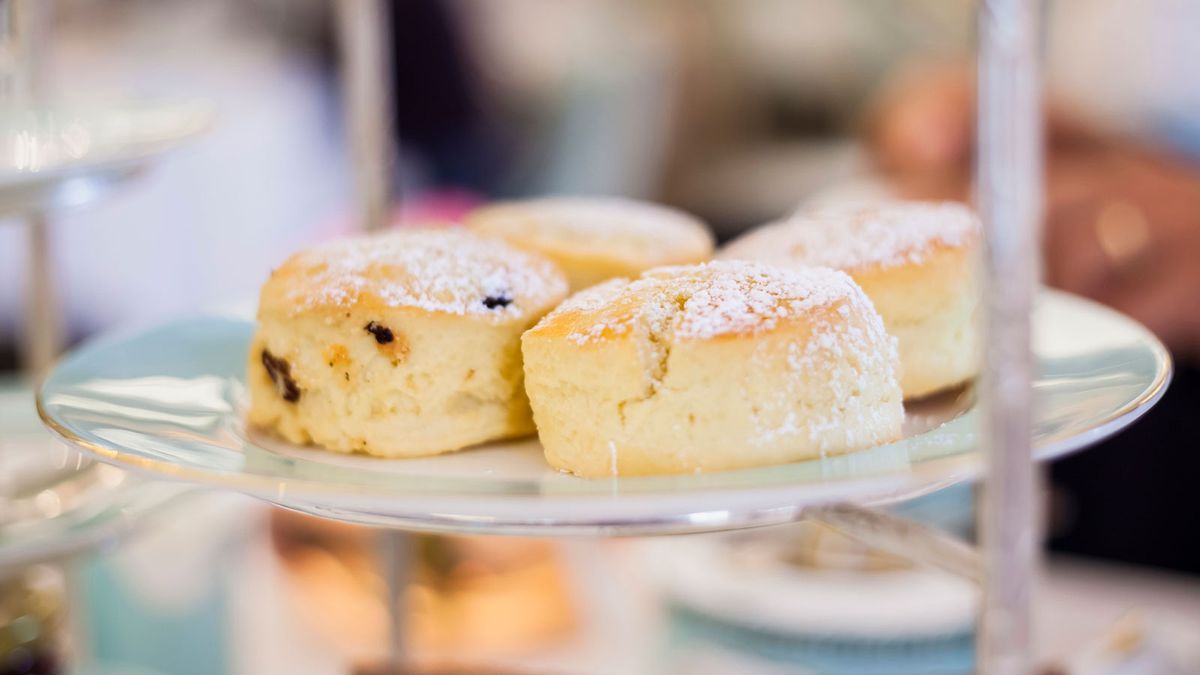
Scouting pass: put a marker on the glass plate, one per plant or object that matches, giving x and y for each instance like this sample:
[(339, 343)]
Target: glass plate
[(170, 400), (59, 156), (53, 501)]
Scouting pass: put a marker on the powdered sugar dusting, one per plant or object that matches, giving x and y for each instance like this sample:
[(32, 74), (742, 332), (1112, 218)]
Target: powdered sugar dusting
[(593, 298), (858, 360), (437, 270), (744, 298), (707, 300), (852, 237)]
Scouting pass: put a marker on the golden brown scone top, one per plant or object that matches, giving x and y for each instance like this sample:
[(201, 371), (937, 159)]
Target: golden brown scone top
[(699, 302), (438, 270), (861, 239), (640, 234)]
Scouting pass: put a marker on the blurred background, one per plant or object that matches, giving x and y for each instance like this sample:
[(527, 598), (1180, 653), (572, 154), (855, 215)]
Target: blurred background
[(735, 111)]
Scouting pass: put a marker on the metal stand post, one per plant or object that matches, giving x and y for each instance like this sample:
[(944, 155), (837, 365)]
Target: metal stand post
[(22, 77), (364, 40), (43, 334), (396, 563), (1008, 187)]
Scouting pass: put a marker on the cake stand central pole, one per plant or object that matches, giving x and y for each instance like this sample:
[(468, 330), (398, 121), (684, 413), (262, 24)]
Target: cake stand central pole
[(364, 41), (1009, 190), (365, 48), (22, 79), (396, 565)]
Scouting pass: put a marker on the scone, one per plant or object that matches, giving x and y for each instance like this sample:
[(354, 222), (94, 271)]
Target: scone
[(594, 239), (710, 367), (917, 261), (398, 345)]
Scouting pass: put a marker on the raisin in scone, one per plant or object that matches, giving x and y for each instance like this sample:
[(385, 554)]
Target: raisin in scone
[(594, 239), (710, 367), (398, 345), (917, 261)]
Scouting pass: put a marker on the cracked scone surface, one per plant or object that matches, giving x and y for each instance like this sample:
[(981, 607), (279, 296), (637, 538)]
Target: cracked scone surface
[(709, 367), (594, 239), (917, 261), (398, 345)]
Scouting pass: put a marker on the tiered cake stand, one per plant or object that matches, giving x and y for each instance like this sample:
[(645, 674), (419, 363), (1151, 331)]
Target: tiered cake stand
[(1062, 373)]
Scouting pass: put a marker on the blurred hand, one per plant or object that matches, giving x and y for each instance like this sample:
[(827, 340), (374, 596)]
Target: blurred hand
[(1122, 219)]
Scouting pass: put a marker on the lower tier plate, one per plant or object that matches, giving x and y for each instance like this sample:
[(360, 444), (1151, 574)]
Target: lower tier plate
[(170, 401)]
